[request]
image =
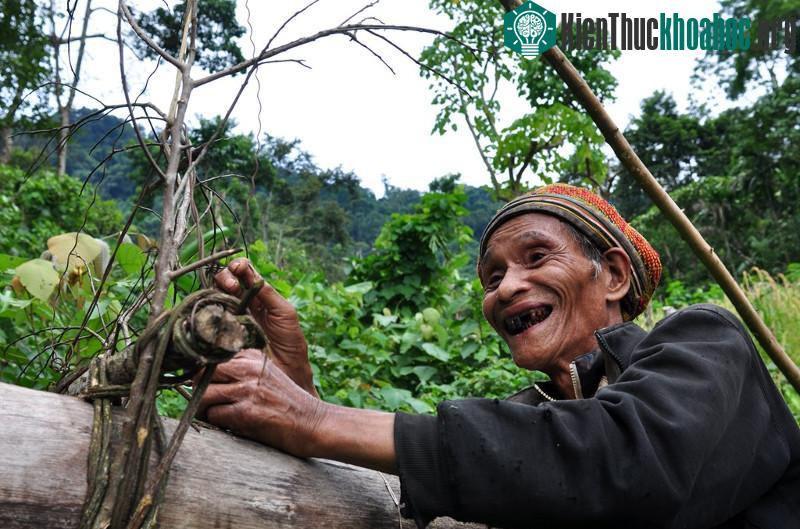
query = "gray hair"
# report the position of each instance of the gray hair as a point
(590, 251)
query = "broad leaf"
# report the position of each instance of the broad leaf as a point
(10, 261)
(435, 351)
(74, 250)
(38, 277)
(131, 258)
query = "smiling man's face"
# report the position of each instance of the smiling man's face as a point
(541, 294)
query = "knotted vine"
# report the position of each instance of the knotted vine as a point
(208, 327)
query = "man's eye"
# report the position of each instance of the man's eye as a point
(492, 281)
(535, 257)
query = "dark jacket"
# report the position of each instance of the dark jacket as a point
(690, 433)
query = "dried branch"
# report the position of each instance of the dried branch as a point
(373, 52)
(268, 53)
(123, 7)
(354, 15)
(124, 80)
(286, 22)
(175, 274)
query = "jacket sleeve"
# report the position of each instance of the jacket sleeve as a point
(636, 452)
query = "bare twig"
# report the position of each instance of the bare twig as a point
(268, 53)
(123, 7)
(373, 52)
(124, 80)
(354, 15)
(286, 22)
(203, 262)
(417, 62)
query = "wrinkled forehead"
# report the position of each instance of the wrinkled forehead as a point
(525, 229)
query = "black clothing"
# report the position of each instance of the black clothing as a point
(690, 432)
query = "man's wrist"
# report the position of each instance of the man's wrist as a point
(356, 436)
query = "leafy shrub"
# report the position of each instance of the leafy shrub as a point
(37, 206)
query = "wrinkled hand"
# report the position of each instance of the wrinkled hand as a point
(252, 397)
(277, 317)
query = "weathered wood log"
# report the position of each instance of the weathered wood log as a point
(217, 480)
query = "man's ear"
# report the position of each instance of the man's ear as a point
(617, 264)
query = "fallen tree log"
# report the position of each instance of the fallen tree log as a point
(217, 480)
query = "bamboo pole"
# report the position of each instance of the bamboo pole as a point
(614, 137)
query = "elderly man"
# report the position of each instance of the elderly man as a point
(678, 427)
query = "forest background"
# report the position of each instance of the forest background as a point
(385, 287)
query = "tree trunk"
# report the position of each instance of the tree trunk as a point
(6, 144)
(63, 137)
(217, 480)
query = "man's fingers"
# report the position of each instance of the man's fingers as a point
(246, 363)
(217, 394)
(243, 269)
(223, 415)
(228, 283)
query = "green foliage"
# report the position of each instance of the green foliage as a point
(23, 53)
(668, 143)
(35, 207)
(432, 344)
(554, 141)
(735, 176)
(217, 31)
(739, 70)
(39, 335)
(396, 360)
(416, 254)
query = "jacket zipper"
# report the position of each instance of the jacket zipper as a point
(576, 381)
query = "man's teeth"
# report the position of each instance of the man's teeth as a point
(517, 324)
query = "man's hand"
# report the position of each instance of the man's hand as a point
(273, 400)
(252, 397)
(277, 317)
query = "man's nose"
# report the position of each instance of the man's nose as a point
(515, 281)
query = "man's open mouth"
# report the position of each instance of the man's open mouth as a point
(516, 324)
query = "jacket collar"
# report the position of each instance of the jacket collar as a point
(593, 370)
(618, 341)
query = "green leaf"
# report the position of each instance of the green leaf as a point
(435, 351)
(359, 288)
(468, 327)
(384, 321)
(39, 278)
(424, 372)
(419, 406)
(9, 305)
(131, 258)
(394, 397)
(356, 398)
(10, 261)
(469, 349)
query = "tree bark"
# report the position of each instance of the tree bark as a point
(63, 137)
(6, 144)
(217, 480)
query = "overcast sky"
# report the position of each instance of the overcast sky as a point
(350, 111)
